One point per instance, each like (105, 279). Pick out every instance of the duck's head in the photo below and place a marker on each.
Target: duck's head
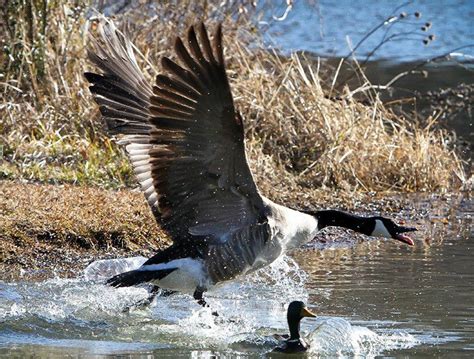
(294, 343)
(296, 311)
(387, 228)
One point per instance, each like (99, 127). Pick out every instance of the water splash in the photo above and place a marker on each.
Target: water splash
(336, 336)
(279, 282)
(103, 269)
(82, 312)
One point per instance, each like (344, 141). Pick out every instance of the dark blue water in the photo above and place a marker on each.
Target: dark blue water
(334, 29)
(328, 27)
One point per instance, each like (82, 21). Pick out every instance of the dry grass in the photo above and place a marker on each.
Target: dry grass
(50, 132)
(299, 140)
(90, 217)
(46, 228)
(342, 144)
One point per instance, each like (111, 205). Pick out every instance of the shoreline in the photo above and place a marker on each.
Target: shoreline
(56, 230)
(51, 231)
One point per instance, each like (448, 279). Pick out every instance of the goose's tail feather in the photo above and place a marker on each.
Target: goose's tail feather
(135, 277)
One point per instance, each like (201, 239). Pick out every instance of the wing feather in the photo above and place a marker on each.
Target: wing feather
(183, 136)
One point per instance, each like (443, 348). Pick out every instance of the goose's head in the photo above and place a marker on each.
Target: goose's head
(387, 228)
(370, 226)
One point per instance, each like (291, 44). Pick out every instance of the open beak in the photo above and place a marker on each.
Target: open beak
(306, 313)
(399, 236)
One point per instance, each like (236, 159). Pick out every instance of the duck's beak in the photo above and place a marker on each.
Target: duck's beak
(306, 313)
(399, 236)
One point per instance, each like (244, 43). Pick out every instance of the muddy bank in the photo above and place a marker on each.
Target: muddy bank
(48, 230)
(51, 230)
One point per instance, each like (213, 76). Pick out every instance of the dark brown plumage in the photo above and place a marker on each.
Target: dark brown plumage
(184, 136)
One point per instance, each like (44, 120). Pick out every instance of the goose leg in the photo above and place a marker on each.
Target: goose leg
(198, 296)
(154, 291)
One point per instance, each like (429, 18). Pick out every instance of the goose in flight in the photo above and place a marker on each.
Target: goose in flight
(185, 140)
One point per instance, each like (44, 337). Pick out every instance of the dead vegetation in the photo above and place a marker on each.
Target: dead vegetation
(298, 138)
(343, 144)
(308, 144)
(60, 227)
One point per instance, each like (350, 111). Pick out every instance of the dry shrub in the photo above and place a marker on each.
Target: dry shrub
(341, 143)
(300, 137)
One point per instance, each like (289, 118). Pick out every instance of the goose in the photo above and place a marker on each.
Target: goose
(185, 140)
(293, 343)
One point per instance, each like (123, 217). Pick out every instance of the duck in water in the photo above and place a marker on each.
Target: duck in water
(294, 343)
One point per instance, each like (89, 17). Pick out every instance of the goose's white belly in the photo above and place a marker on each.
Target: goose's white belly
(189, 275)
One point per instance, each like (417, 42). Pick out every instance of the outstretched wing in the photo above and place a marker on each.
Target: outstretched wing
(198, 164)
(185, 140)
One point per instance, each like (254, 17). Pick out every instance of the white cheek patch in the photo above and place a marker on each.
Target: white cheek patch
(380, 230)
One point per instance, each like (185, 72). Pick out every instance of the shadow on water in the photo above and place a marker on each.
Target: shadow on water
(445, 89)
(417, 90)
(372, 298)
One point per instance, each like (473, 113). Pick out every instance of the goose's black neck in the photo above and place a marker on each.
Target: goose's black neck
(335, 218)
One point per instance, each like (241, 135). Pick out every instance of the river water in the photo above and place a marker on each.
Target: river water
(332, 29)
(373, 299)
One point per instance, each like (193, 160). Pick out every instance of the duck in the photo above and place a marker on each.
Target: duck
(185, 138)
(294, 343)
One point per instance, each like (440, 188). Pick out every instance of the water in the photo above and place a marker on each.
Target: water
(331, 30)
(375, 298)
(324, 28)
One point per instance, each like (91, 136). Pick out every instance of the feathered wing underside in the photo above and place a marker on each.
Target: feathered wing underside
(183, 136)
(123, 95)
